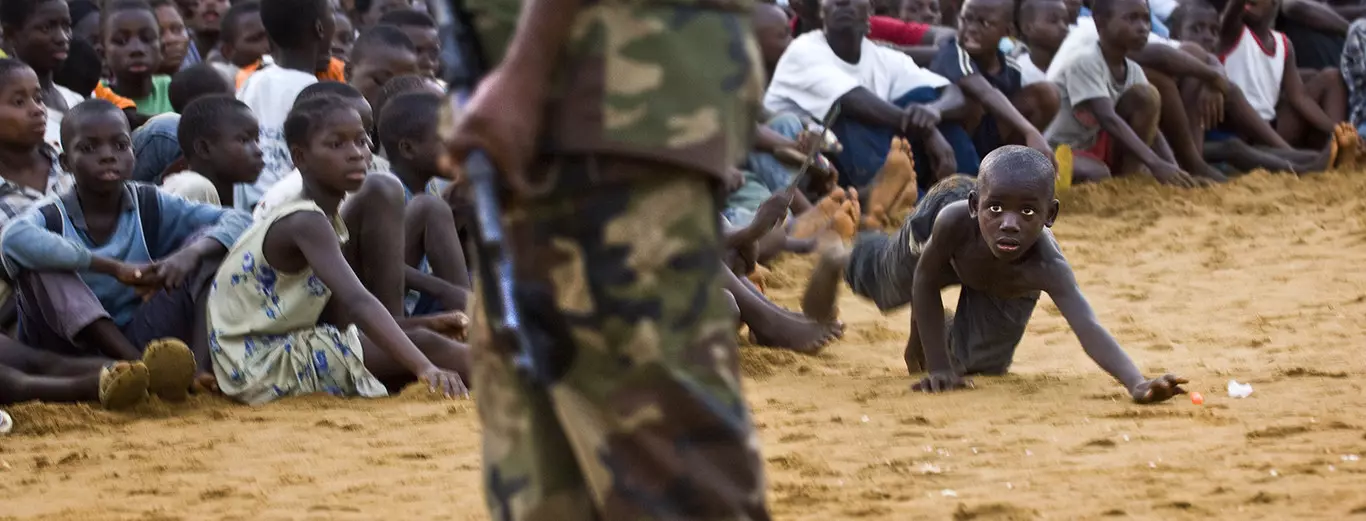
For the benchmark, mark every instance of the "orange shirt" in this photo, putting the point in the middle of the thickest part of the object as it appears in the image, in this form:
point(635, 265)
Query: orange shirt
point(103, 92)
point(336, 71)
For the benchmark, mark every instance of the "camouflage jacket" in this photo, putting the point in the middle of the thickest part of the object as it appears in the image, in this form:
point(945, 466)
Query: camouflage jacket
point(677, 81)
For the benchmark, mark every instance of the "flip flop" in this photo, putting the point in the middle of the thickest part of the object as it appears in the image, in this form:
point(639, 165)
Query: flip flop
point(123, 385)
point(1065, 165)
point(172, 367)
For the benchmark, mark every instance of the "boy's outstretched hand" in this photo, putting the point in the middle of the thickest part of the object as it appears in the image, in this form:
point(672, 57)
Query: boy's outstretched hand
point(1159, 389)
point(939, 382)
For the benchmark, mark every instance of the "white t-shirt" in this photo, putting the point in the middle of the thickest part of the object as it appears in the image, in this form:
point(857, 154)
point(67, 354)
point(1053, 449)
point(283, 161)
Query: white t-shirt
point(53, 134)
point(1030, 73)
point(1084, 35)
point(270, 93)
point(1163, 8)
point(810, 78)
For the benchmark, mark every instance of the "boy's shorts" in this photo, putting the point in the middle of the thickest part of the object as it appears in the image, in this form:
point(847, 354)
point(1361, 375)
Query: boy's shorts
point(983, 334)
point(1100, 151)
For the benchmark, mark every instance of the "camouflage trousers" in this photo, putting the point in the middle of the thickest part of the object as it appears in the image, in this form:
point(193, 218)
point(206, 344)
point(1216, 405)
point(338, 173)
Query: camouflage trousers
point(644, 419)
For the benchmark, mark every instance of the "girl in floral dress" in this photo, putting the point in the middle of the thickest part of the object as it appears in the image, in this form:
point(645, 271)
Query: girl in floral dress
point(271, 332)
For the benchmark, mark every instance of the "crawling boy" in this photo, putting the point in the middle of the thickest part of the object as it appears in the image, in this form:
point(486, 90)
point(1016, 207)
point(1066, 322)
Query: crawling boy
point(991, 238)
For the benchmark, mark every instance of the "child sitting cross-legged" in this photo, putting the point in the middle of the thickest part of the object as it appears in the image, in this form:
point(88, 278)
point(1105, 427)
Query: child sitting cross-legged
point(110, 266)
point(272, 331)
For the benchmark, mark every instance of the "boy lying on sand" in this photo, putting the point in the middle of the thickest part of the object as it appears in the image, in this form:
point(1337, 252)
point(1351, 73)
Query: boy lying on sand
point(990, 237)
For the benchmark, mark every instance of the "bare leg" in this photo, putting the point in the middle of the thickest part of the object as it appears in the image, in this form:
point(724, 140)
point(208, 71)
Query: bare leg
point(819, 301)
point(1239, 114)
point(374, 218)
point(19, 387)
point(773, 326)
point(107, 338)
point(1139, 107)
point(1179, 126)
point(430, 231)
point(1329, 91)
point(1244, 157)
point(29, 360)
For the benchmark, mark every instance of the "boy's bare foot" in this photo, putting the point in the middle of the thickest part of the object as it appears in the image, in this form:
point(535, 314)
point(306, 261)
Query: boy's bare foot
point(890, 184)
point(819, 218)
point(822, 292)
point(453, 325)
point(847, 220)
point(792, 331)
point(1349, 153)
point(171, 369)
point(123, 385)
point(206, 383)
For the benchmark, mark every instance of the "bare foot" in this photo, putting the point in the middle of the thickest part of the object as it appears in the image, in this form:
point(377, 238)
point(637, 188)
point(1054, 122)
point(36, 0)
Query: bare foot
point(1349, 147)
point(792, 331)
point(890, 184)
point(847, 220)
point(171, 368)
point(820, 299)
point(453, 325)
point(820, 217)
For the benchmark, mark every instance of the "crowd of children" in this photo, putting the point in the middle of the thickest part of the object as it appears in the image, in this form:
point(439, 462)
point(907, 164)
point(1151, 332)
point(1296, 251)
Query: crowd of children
point(246, 197)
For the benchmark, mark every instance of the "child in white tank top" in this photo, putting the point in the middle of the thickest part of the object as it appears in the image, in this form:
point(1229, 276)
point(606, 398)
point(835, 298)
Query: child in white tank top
point(1259, 61)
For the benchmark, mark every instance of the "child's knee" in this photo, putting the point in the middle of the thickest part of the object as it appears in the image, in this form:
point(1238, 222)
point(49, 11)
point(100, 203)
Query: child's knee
point(429, 209)
point(1041, 98)
point(1144, 98)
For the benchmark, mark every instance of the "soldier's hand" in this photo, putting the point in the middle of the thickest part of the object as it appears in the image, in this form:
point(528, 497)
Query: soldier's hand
point(502, 118)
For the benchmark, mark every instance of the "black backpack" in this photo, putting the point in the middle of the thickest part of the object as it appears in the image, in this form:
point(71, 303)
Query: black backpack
point(149, 212)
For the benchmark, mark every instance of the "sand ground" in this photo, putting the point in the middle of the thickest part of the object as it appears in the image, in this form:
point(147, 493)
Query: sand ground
point(1259, 281)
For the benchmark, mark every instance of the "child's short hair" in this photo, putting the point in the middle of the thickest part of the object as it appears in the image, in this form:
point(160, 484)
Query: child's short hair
point(15, 13)
point(8, 65)
point(408, 18)
point(304, 118)
point(328, 89)
point(81, 70)
point(377, 37)
point(228, 26)
point(1185, 8)
point(203, 119)
point(193, 82)
point(1102, 10)
point(409, 116)
point(85, 109)
point(290, 23)
point(79, 10)
point(118, 6)
point(400, 86)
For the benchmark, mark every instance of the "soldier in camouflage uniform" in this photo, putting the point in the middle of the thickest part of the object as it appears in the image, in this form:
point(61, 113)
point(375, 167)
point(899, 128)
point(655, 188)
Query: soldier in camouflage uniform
point(623, 115)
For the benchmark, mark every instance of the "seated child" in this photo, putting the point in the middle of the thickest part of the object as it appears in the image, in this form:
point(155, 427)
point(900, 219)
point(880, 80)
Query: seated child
point(272, 331)
point(421, 29)
point(990, 237)
point(242, 42)
point(26, 26)
point(407, 128)
point(301, 31)
point(1109, 112)
point(28, 374)
point(1009, 111)
point(1196, 23)
point(175, 38)
point(131, 41)
point(33, 170)
point(125, 241)
point(219, 136)
point(1261, 62)
point(154, 143)
point(1043, 27)
point(882, 94)
point(374, 215)
point(366, 13)
point(343, 36)
point(381, 53)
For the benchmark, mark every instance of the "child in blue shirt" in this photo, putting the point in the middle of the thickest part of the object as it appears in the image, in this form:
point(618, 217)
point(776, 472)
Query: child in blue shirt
point(144, 257)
